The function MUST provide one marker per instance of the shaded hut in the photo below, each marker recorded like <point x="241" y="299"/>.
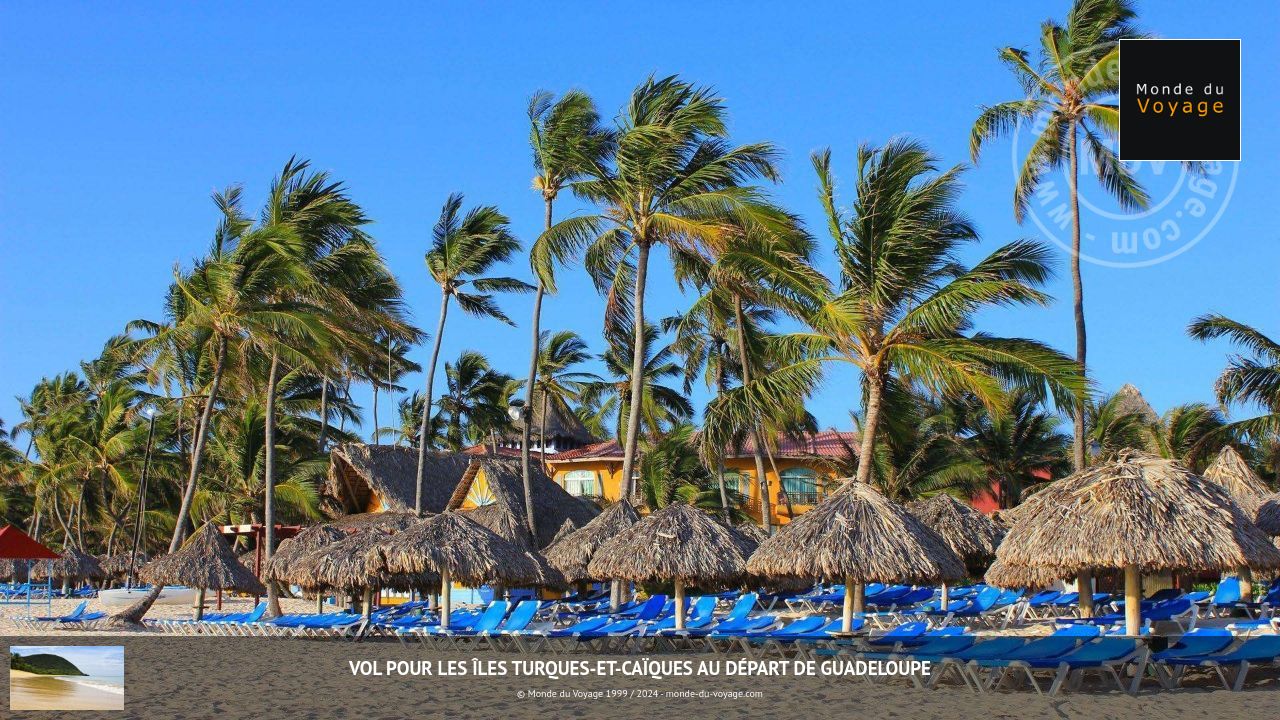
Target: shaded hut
<point x="572" y="554"/>
<point x="1268" y="518"/>
<point x="291" y="550"/>
<point x="344" y="565"/>
<point x="388" y="521"/>
<point x="678" y="543"/>
<point x="861" y="536"/>
<point x="72" y="564"/>
<point x="205" y="562"/>
<point x="1138" y="514"/>
<point x="1235" y="476"/>
<point x="458" y="549"/>
<point x="567" y="528"/>
<point x="971" y="535"/>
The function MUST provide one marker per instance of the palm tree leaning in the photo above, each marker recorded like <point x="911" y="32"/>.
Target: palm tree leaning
<point x="1078" y="72"/>
<point x="1251" y="378"/>
<point x="903" y="301"/>
<point x="463" y="248"/>
<point x="675" y="182"/>
<point x="568" y="141"/>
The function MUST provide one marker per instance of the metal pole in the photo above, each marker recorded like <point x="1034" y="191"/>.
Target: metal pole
<point x="142" y="502"/>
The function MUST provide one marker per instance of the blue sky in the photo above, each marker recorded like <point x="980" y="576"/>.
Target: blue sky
<point x="91" y="659"/>
<point x="115" y="126"/>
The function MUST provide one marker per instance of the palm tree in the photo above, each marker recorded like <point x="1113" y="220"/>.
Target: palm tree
<point x="463" y="248"/>
<point x="475" y="403"/>
<point x="675" y="182"/>
<point x="1112" y="425"/>
<point x="559" y="385"/>
<point x="1253" y="377"/>
<point x="385" y="371"/>
<point x="568" y="141"/>
<point x="1191" y="432"/>
<point x="662" y="407"/>
<point x="1018" y="444"/>
<point x="903" y="300"/>
<point x="1078" y="72"/>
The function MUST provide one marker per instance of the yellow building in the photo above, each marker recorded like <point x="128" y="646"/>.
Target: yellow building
<point x="803" y="472"/>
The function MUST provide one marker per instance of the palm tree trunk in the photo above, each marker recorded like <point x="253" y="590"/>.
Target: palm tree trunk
<point x="375" y="414"/>
<point x="133" y="614"/>
<point x="782" y="490"/>
<point x="324" y="411"/>
<point x="637" y="373"/>
<point x="872" y="416"/>
<point x="426" y="404"/>
<point x="744" y="361"/>
<point x="724" y="493"/>
<point x="526" y="431"/>
<point x="1077" y="287"/>
<point x="269" y="483"/>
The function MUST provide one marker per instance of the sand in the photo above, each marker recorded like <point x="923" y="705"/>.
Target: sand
<point x="204" y="677"/>
<point x="29" y="691"/>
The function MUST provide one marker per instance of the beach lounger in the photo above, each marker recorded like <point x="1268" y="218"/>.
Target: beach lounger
<point x="1264" y="649"/>
<point x="38" y="622"/>
<point x="488" y="620"/>
<point x="534" y="639"/>
<point x="1202" y="641"/>
<point x="1225" y="596"/>
<point x="944" y="662"/>
<point x="1180" y="611"/>
<point x="1105" y="655"/>
<point x="1059" y="643"/>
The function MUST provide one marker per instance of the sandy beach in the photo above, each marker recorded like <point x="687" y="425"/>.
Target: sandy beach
<point x="28" y="691"/>
<point x="186" y="678"/>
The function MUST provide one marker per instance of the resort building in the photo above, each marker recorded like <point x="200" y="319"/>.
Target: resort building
<point x="798" y="476"/>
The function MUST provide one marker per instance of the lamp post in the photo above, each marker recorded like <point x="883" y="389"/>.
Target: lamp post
<point x="150" y="413"/>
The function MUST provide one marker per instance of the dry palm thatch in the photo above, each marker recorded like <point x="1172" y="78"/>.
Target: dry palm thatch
<point x="859" y="535"/>
<point x="970" y="534"/>
<point x="13" y="570"/>
<point x="678" y="542"/>
<point x="567" y="528"/>
<point x="1004" y="575"/>
<point x="72" y="564"/>
<point x="1234" y="474"/>
<point x="290" y="551"/>
<point x="453" y="543"/>
<point x="117" y="566"/>
<point x="571" y="554"/>
<point x="1268" y="518"/>
<point x="389" y="521"/>
<point x="206" y="562"/>
<point x="344" y="566"/>
<point x="501" y="520"/>
<point x="1136" y="511"/>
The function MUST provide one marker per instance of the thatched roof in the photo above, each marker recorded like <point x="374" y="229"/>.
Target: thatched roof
<point x="570" y="555"/>
<point x="1234" y="474"/>
<point x="567" y="528"/>
<point x="678" y="542"/>
<point x="204" y="561"/>
<point x="359" y="472"/>
<point x="291" y="550"/>
<point x="1135" y="510"/>
<point x="970" y="534"/>
<point x="13" y="570"/>
<point x="472" y="553"/>
<point x="389" y="521"/>
<point x="1268" y="517"/>
<point x="1129" y="401"/>
<point x="1004" y="575"/>
<point x="344" y="565"/>
<point x="858" y="534"/>
<point x="560" y="423"/>
<point x="117" y="566"/>
<point x="72" y="563"/>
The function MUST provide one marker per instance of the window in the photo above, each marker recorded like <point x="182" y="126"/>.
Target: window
<point x="736" y="482"/>
<point x="801" y="485"/>
<point x="581" y="483"/>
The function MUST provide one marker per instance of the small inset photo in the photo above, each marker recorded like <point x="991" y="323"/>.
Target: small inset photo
<point x="66" y="677"/>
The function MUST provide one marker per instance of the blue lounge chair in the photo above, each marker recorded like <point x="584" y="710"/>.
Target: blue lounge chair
<point x="1226" y="595"/>
<point x="1202" y="641"/>
<point x="492" y="616"/>
<point x="1254" y="651"/>
<point x="1059" y="643"/>
<point x="957" y="661"/>
<point x="531" y="640"/>
<point x="1180" y="611"/>
<point x="1103" y="655"/>
<point x="521" y="616"/>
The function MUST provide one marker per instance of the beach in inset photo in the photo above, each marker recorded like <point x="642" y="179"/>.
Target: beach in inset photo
<point x="66" y="677"/>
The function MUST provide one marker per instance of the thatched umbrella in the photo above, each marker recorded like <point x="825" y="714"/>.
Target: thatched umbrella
<point x="117" y="566"/>
<point x="291" y="550"/>
<point x="390" y="521"/>
<point x="1268" y="518"/>
<point x="861" y="536"/>
<point x="678" y="543"/>
<point x="205" y="562"/>
<point x="458" y="549"/>
<point x="1234" y="474"/>
<point x="14" y="570"/>
<point x="72" y="564"/>
<point x="571" y="554"/>
<point x="567" y="528"/>
<point x="970" y="534"/>
<point x="1137" y="513"/>
<point x="344" y="566"/>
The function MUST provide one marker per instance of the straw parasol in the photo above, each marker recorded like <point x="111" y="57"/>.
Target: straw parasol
<point x="13" y="570"/>
<point x="72" y="564"/>
<point x="571" y="554"/>
<point x="293" y="549"/>
<point x="970" y="534"/>
<point x="390" y="521"/>
<point x="1268" y="518"/>
<point x="344" y="566"/>
<point x="1231" y="471"/>
<point x="205" y="562"/>
<point x="457" y="548"/>
<point x="678" y="543"/>
<point x="861" y="536"/>
<point x="1138" y="513"/>
<point x="567" y="528"/>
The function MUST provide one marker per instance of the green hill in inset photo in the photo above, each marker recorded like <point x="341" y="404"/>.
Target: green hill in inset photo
<point x="43" y="664"/>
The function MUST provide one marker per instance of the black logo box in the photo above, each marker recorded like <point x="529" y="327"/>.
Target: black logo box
<point x="1157" y="80"/>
